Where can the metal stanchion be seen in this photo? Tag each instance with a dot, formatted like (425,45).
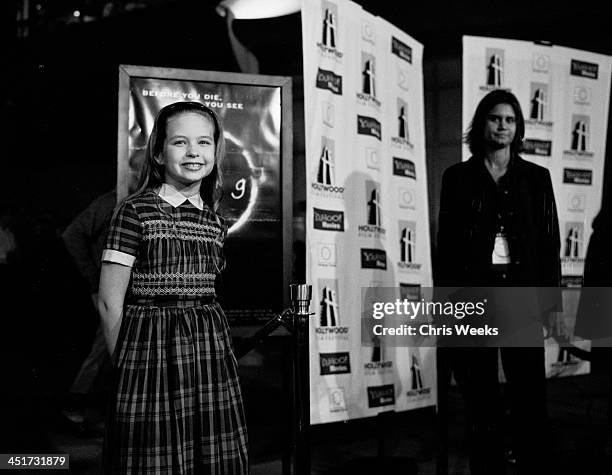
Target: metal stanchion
(295,319)
(300,301)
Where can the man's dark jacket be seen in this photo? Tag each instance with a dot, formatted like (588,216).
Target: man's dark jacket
(468,222)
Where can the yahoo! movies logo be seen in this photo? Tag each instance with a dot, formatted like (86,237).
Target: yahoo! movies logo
(329,312)
(325,182)
(401,50)
(329,80)
(407,247)
(329,31)
(367,96)
(373,212)
(381,396)
(404,168)
(577,176)
(584,69)
(539,147)
(373,259)
(369,126)
(328,220)
(334,363)
(402,139)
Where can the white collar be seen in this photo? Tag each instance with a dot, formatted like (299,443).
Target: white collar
(172,196)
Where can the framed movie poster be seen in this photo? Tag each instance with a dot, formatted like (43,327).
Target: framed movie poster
(257,200)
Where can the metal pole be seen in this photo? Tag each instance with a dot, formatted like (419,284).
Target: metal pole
(300,301)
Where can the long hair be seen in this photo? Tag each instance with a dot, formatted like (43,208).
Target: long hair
(474,137)
(152,175)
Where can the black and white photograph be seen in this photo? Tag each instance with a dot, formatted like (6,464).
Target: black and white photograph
(306,237)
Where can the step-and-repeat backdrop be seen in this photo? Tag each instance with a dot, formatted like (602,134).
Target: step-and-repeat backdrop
(564,94)
(367,211)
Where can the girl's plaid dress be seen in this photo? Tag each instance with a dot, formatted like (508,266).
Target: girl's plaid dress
(176,405)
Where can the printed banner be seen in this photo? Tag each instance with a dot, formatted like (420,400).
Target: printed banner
(367,211)
(564,94)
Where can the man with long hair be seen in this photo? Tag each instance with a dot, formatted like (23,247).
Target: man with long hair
(498,227)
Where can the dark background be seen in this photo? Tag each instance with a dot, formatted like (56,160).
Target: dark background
(59,88)
(59,129)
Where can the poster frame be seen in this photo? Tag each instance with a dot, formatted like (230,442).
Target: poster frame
(284,83)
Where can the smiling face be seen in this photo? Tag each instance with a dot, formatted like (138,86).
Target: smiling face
(500,127)
(188,154)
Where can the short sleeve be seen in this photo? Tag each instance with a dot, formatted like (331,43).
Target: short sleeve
(124,236)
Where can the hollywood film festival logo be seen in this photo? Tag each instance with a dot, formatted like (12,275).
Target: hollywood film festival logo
(494,69)
(373,227)
(329,327)
(539,106)
(565,359)
(580,137)
(367,96)
(417,380)
(573,242)
(325,183)
(329,31)
(407,245)
(402,139)
(378,363)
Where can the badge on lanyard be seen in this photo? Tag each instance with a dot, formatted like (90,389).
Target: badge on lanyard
(501,252)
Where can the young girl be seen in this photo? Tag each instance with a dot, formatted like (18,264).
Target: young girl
(176,404)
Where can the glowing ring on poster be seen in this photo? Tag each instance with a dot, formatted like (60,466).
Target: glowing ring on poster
(256,177)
